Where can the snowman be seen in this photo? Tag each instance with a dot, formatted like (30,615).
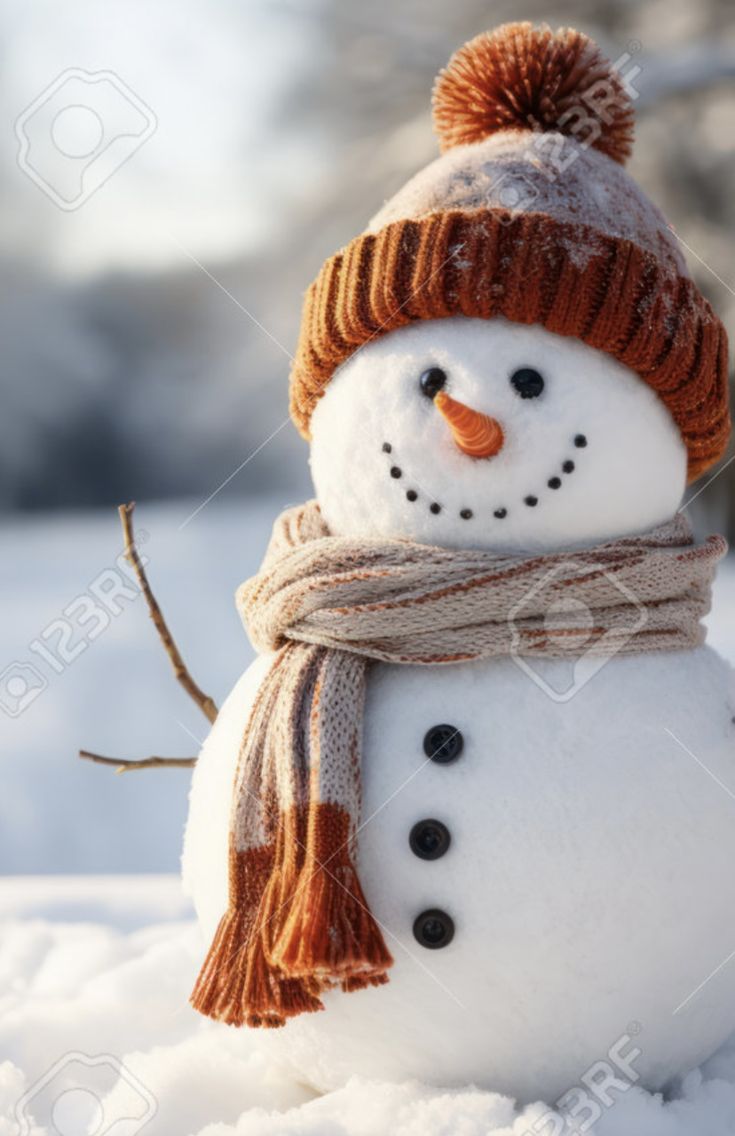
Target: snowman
(508,382)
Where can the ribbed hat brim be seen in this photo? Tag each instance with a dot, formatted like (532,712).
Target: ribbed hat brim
(530,268)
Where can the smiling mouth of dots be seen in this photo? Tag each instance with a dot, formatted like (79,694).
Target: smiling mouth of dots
(530,501)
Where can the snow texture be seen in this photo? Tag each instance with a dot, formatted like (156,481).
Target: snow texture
(69,986)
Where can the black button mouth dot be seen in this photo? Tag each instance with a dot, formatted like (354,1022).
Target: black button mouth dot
(580,441)
(387,448)
(435,508)
(395,471)
(500,513)
(411,494)
(554,482)
(568,466)
(531,500)
(466,514)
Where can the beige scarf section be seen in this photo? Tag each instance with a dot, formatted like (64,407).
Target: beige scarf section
(298,922)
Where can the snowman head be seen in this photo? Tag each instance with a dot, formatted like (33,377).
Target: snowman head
(513,354)
(487,434)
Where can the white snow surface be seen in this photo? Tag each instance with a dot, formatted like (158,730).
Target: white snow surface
(96,988)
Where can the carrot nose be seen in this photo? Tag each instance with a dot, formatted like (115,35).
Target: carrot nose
(476,434)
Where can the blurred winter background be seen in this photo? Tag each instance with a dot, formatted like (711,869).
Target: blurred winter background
(146,331)
(150,299)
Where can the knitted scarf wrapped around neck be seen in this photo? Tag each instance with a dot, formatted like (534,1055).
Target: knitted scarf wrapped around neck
(298,922)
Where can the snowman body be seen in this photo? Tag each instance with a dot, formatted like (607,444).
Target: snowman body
(575,885)
(588,875)
(512,358)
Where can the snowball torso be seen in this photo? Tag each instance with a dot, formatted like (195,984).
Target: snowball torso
(589,874)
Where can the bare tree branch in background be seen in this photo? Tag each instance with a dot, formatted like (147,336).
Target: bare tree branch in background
(124,766)
(181,671)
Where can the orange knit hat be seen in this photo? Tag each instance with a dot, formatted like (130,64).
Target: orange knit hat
(528,214)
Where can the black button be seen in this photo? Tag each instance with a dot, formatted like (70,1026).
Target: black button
(429,839)
(433,929)
(443,744)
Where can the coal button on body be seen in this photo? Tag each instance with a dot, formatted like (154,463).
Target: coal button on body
(443,744)
(429,839)
(433,929)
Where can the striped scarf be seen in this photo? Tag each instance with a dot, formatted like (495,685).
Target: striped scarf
(298,922)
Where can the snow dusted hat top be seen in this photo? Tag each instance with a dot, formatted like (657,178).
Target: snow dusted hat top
(528,214)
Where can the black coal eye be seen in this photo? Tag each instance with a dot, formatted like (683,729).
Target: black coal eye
(527,382)
(432,381)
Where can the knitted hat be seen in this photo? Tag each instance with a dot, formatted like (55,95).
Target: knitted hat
(528,214)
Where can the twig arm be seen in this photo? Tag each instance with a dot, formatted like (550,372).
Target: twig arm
(203,701)
(122,766)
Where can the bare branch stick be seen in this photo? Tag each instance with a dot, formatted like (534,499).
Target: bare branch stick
(141,763)
(203,701)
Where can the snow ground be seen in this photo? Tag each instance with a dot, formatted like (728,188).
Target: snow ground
(109,986)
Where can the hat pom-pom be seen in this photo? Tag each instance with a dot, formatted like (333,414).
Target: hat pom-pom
(521,77)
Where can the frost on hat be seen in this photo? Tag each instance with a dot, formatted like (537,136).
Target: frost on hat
(529,214)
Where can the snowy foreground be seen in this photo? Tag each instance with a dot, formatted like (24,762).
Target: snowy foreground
(96,1037)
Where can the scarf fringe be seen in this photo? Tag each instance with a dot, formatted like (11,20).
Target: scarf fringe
(361,982)
(218,989)
(238,984)
(326,930)
(330,932)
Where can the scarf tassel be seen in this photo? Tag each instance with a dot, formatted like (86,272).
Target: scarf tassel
(239,986)
(328,930)
(295,927)
(238,983)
